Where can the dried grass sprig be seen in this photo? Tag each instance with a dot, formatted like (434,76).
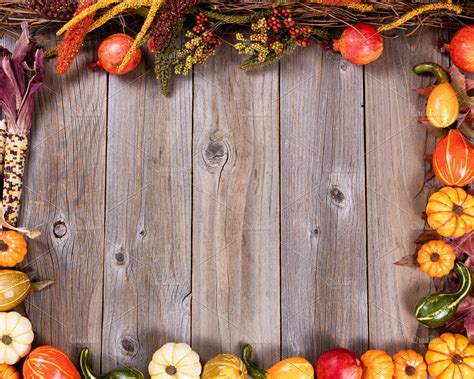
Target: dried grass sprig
(418,11)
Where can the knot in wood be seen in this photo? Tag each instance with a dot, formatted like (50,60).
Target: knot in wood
(315,232)
(59,229)
(215,154)
(120,258)
(129,345)
(337,196)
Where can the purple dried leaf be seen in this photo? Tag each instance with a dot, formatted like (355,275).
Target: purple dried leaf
(21,75)
(464,245)
(407,261)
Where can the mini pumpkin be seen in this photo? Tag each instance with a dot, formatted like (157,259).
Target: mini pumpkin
(408,364)
(436,258)
(9,372)
(377,364)
(12,248)
(16,336)
(450,356)
(224,366)
(175,360)
(450,212)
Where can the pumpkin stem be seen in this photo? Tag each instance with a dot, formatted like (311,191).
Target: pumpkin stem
(457,359)
(431,68)
(253,370)
(40,286)
(6,340)
(85,365)
(3,246)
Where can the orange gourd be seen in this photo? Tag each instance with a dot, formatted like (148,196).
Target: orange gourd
(450,356)
(8,372)
(408,364)
(450,212)
(49,362)
(12,248)
(453,160)
(290,368)
(377,364)
(436,258)
(442,107)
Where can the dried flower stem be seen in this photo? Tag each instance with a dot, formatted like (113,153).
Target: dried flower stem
(74,38)
(164,61)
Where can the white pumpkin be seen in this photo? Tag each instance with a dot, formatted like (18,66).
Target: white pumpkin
(175,360)
(16,337)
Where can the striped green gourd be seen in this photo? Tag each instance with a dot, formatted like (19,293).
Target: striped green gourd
(15,287)
(436,309)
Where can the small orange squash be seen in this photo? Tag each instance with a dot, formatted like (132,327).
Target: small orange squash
(450,356)
(408,364)
(12,248)
(450,212)
(377,364)
(8,372)
(436,258)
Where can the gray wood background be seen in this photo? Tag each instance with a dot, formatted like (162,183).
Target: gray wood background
(263,207)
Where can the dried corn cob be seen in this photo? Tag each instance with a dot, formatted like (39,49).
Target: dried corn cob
(19,81)
(3,138)
(13,170)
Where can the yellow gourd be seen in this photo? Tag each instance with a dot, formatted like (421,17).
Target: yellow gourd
(225,366)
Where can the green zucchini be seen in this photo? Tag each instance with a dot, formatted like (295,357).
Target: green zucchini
(436,309)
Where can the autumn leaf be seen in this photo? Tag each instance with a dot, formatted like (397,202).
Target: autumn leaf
(428,235)
(464,245)
(424,91)
(407,261)
(463,318)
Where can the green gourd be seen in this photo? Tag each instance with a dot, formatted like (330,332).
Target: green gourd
(436,309)
(123,373)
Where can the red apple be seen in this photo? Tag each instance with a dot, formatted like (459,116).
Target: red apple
(338,363)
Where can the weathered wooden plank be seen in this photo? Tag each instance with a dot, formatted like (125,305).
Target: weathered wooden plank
(323,239)
(64,199)
(395,151)
(148,218)
(235,209)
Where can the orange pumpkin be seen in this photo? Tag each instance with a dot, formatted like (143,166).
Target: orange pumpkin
(377,364)
(450,212)
(12,248)
(408,364)
(8,372)
(450,356)
(453,160)
(49,362)
(436,258)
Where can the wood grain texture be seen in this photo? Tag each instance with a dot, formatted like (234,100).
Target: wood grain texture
(64,199)
(395,150)
(323,238)
(148,215)
(235,210)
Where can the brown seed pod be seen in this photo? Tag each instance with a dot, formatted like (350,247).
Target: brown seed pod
(54,9)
